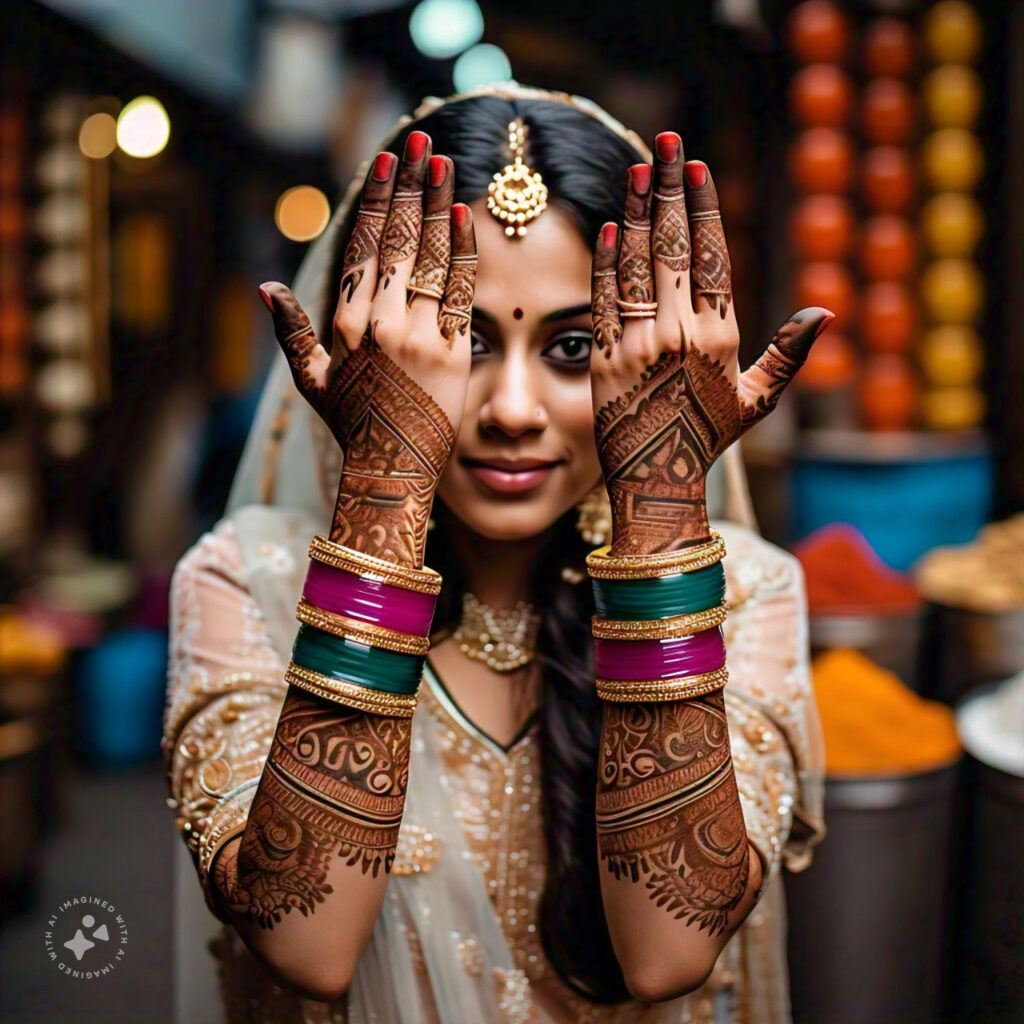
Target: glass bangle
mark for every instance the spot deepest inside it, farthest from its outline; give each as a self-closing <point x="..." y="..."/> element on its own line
<point x="348" y="661"/>
<point x="624" y="660"/>
<point x="662" y="597"/>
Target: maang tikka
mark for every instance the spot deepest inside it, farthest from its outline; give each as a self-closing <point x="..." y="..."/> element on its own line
<point x="517" y="195"/>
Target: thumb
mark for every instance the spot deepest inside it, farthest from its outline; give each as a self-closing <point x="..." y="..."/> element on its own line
<point x="306" y="357"/>
<point x="761" y="385"/>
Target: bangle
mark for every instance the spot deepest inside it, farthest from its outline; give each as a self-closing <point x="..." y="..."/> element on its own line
<point x="420" y="581"/>
<point x="625" y="660"/>
<point x="658" y="629"/>
<point x="368" y="633"/>
<point x="360" y="597"/>
<point x="660" y="690"/>
<point x="603" y="566"/>
<point x="351" y="694"/>
<point x="372" y="668"/>
<point x="662" y="597"/>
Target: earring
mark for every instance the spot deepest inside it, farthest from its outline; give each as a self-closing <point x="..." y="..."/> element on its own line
<point x="595" y="516"/>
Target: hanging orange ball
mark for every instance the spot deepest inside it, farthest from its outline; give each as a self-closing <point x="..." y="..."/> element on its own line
<point x="888" y="317"/>
<point x="821" y="160"/>
<point x="953" y="95"/>
<point x="821" y="228"/>
<point x="953" y="160"/>
<point x="831" y="364"/>
<point x="952" y="33"/>
<point x="887" y="179"/>
<point x="820" y="94"/>
<point x="887" y="112"/>
<point x="888" y="248"/>
<point x="952" y="223"/>
<point x="888" y="48"/>
<point x="887" y="392"/>
<point x="817" y="31"/>
<point x="828" y="285"/>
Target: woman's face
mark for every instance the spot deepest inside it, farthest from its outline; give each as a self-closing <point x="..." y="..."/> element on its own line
<point x="525" y="452"/>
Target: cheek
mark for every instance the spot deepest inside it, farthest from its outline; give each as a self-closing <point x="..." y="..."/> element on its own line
<point x="571" y="408"/>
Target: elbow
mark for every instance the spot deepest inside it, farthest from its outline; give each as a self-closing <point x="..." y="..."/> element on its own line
<point x="658" y="983"/>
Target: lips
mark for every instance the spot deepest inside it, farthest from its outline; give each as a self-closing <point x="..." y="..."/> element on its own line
<point x="511" y="476"/>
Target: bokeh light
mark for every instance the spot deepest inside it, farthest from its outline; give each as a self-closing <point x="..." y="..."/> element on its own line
<point x="483" y="64"/>
<point x="97" y="138"/>
<point x="301" y="213"/>
<point x="444" y="28"/>
<point x="143" y="127"/>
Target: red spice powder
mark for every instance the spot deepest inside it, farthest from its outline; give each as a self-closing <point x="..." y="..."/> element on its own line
<point x="844" y="575"/>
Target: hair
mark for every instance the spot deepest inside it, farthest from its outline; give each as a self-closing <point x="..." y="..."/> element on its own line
<point x="583" y="164"/>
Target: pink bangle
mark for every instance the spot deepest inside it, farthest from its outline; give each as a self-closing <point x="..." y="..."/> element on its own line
<point x="626" y="660"/>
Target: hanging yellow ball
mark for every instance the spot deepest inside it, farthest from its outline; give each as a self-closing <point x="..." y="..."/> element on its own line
<point x="951" y="355"/>
<point x="953" y="291"/>
<point x="952" y="96"/>
<point x="953" y="160"/>
<point x="952" y="224"/>
<point x="952" y="32"/>
<point x="959" y="408"/>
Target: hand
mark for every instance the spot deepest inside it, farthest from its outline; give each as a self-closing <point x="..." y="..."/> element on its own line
<point x="666" y="383"/>
<point x="392" y="387"/>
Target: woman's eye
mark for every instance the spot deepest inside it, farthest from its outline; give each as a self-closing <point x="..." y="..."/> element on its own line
<point x="572" y="347"/>
<point x="480" y="346"/>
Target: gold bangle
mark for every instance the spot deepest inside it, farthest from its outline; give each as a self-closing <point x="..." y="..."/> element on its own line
<point x="368" y="633"/>
<point x="393" y="705"/>
<point x="658" y="629"/>
<point x="657" y="690"/>
<point x="337" y="556"/>
<point x="603" y="566"/>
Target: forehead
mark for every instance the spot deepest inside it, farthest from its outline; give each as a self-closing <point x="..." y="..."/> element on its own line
<point x="547" y="269"/>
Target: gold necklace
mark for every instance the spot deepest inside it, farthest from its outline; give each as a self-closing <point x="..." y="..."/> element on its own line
<point x="504" y="640"/>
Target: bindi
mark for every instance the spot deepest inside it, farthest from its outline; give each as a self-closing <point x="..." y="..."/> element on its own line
<point x="517" y="313"/>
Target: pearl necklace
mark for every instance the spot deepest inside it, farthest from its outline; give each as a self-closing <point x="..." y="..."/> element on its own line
<point x="503" y="640"/>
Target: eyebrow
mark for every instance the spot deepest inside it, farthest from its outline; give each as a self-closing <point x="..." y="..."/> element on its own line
<point x="568" y="313"/>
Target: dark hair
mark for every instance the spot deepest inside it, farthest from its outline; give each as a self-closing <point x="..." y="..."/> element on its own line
<point x="583" y="164"/>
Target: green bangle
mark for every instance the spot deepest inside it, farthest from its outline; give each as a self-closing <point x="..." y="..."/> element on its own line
<point x="661" y="597"/>
<point x="348" y="661"/>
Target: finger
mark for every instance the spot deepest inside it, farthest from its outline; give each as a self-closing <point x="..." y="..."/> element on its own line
<point x="431" y="270"/>
<point x="710" y="271"/>
<point x="457" y="306"/>
<point x="636" y="284"/>
<point x="604" y="292"/>
<point x="761" y="385"/>
<point x="306" y="357"/>
<point x="402" y="229"/>
<point x="670" y="237"/>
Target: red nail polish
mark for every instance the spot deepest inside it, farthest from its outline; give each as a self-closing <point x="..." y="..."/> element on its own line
<point x="696" y="173"/>
<point x="437" y="170"/>
<point x="415" y="146"/>
<point x="383" y="166"/>
<point x="267" y="300"/>
<point x="667" y="145"/>
<point x="824" y="323"/>
<point x="640" y="178"/>
<point x="609" y="233"/>
<point x="460" y="214"/>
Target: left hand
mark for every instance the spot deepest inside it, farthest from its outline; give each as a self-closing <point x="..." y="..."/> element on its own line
<point x="668" y="393"/>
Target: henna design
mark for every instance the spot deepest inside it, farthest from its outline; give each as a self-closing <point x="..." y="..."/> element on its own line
<point x="712" y="273"/>
<point x="401" y="234"/>
<point x="668" y="811"/>
<point x="362" y="248"/>
<point x="636" y="282"/>
<point x="334" y="785"/>
<point x="670" y="242"/>
<point x="656" y="444"/>
<point x="397" y="441"/>
<point x="607" y="327"/>
<point x="431" y="270"/>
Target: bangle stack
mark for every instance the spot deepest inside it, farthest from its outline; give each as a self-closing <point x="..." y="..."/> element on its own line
<point x="657" y="632"/>
<point x="365" y="630"/>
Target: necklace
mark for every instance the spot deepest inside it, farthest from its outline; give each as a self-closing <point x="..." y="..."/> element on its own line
<point x="503" y="640"/>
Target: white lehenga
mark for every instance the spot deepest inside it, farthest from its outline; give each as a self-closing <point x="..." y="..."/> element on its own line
<point x="457" y="941"/>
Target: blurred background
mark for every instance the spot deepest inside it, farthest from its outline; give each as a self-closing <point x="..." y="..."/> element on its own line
<point x="160" y="158"/>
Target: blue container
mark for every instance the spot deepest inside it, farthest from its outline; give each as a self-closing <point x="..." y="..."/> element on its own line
<point x="907" y="493"/>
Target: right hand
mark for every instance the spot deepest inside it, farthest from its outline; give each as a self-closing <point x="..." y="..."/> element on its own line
<point x="392" y="387"/>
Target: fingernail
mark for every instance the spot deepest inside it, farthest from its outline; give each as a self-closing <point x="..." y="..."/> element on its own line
<point x="609" y="233"/>
<point x="824" y="323"/>
<point x="437" y="170"/>
<point x="640" y="178"/>
<point x="667" y="145"/>
<point x="696" y="173"/>
<point x="267" y="300"/>
<point x="415" y="146"/>
<point x="460" y="214"/>
<point x="383" y="166"/>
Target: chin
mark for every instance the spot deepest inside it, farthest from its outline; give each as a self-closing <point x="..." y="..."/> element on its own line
<point x="506" y="520"/>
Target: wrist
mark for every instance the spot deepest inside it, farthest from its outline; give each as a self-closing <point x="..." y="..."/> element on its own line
<point x="648" y="525"/>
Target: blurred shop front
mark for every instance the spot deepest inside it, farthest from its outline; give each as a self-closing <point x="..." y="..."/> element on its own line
<point x="159" y="160"/>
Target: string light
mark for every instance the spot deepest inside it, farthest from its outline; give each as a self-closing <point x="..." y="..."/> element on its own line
<point x="483" y="64"/>
<point x="301" y="213"/>
<point x="143" y="127"/>
<point x="443" y="28"/>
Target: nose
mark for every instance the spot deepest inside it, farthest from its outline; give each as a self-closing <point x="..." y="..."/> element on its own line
<point x="514" y="404"/>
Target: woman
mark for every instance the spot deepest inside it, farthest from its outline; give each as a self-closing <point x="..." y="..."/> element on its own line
<point x="371" y="863"/>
